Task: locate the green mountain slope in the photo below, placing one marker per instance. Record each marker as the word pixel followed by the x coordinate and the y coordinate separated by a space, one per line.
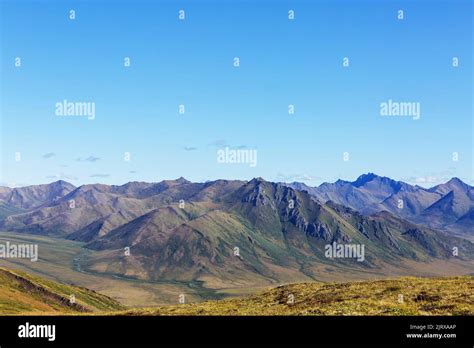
pixel 21 293
pixel 263 233
pixel 232 234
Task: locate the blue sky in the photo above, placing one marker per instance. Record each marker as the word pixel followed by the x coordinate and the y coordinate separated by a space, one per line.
pixel 190 62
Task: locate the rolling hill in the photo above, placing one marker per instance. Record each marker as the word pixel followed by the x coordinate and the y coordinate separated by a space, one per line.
pixel 24 294
pixel 404 296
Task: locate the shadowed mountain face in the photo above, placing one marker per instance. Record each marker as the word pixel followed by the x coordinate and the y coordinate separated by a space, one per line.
pixel 238 233
pixel 446 207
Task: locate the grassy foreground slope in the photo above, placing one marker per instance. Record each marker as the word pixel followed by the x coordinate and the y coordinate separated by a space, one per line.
pixel 21 293
pixel 404 296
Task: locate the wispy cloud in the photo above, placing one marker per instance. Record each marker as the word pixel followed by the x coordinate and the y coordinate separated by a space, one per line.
pixel 431 178
pixel 12 184
pixel 297 177
pixel 100 175
pixel 49 155
pixel 422 180
pixel 223 143
pixel 88 159
pixel 218 143
pixel 62 176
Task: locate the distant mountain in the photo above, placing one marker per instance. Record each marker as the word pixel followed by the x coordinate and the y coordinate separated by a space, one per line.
pixel 456 202
pixel 371 193
pixel 232 233
pixel 34 196
pixel 439 207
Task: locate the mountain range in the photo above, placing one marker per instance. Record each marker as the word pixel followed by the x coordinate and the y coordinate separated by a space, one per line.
pixel 239 233
pixel 447 207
